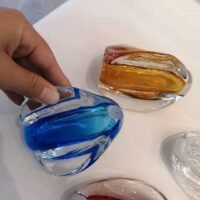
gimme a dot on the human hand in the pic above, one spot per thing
(28, 67)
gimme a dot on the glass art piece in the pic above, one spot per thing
(143, 80)
(71, 135)
(186, 163)
(117, 189)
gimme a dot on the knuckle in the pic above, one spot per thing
(13, 17)
(16, 13)
(11, 12)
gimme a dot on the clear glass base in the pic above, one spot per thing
(139, 105)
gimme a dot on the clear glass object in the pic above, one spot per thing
(71, 135)
(186, 163)
(143, 80)
(117, 189)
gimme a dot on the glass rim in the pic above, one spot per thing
(136, 181)
(73, 94)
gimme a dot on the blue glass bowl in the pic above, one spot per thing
(68, 137)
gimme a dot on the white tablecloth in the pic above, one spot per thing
(78, 32)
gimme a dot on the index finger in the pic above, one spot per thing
(40, 55)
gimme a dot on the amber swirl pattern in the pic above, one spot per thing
(143, 80)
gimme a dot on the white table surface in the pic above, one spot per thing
(78, 32)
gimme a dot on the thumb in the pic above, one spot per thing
(21, 81)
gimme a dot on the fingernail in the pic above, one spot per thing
(49, 96)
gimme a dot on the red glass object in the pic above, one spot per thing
(117, 189)
(97, 197)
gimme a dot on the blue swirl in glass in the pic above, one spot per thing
(68, 137)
